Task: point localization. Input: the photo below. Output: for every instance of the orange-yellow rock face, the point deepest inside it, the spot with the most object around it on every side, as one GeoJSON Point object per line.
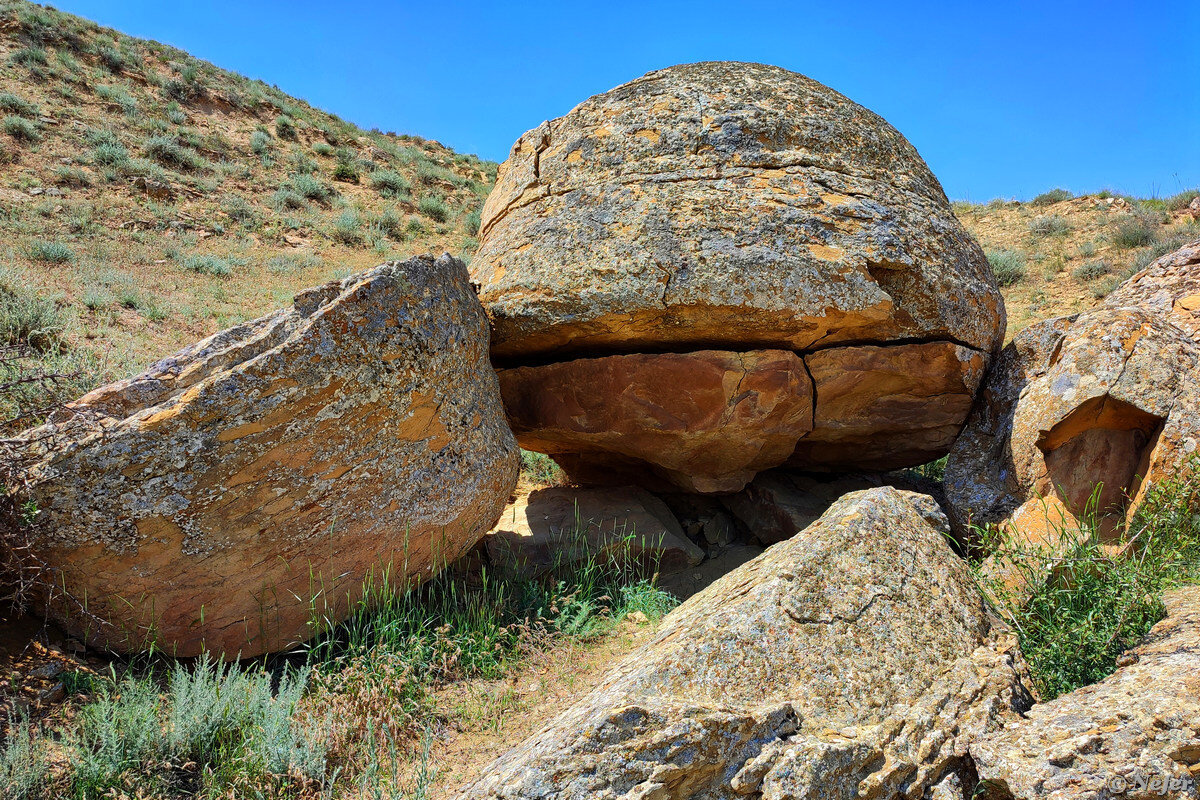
{"type": "Point", "coordinates": [250, 484]}
{"type": "Point", "coordinates": [736, 208]}
{"type": "Point", "coordinates": [707, 420]}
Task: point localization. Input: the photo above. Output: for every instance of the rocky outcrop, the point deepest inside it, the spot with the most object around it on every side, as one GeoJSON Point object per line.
{"type": "Point", "coordinates": [855, 659]}
{"type": "Point", "coordinates": [249, 484]}
{"type": "Point", "coordinates": [712, 212]}
{"type": "Point", "coordinates": [1135, 735]}
{"type": "Point", "coordinates": [549, 528]}
{"type": "Point", "coordinates": [1107, 400]}
{"type": "Point", "coordinates": [1169, 287]}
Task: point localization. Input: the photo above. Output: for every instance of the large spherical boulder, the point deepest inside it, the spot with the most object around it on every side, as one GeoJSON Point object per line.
{"type": "Point", "coordinates": [737, 208]}
{"type": "Point", "coordinates": [244, 489]}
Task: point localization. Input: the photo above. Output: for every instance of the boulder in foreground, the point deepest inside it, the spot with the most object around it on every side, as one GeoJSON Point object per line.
{"type": "Point", "coordinates": [251, 483]}
{"type": "Point", "coordinates": [856, 659]}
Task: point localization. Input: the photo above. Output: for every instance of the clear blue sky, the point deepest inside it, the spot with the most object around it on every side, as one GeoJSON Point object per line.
{"type": "Point", "coordinates": [1002, 99]}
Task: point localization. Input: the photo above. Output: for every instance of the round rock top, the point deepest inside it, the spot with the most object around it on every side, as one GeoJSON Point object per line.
{"type": "Point", "coordinates": [724, 205]}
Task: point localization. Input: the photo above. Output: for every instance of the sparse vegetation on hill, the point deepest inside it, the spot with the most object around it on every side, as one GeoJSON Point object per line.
{"type": "Point", "coordinates": [150, 199]}
{"type": "Point", "coordinates": [1059, 254]}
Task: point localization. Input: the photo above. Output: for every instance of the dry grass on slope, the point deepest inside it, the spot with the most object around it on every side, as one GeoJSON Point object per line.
{"type": "Point", "coordinates": [1060, 254]}
{"type": "Point", "coordinates": [148, 199]}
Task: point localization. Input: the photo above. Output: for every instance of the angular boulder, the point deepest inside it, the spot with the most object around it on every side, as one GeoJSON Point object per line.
{"type": "Point", "coordinates": [856, 659]}
{"type": "Point", "coordinates": [1135, 734]}
{"type": "Point", "coordinates": [720, 208]}
{"type": "Point", "coordinates": [1079, 416]}
{"type": "Point", "coordinates": [250, 484]}
{"type": "Point", "coordinates": [548, 528]}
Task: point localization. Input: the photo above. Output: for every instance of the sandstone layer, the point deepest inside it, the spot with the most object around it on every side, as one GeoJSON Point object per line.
{"type": "Point", "coordinates": [738, 209]}
{"type": "Point", "coordinates": [249, 485]}
{"type": "Point", "coordinates": [856, 659]}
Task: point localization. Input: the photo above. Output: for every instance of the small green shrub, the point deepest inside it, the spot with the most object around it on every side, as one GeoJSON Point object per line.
{"type": "Point", "coordinates": [29, 57]}
{"type": "Point", "coordinates": [345, 172]}
{"type": "Point", "coordinates": [347, 227]}
{"type": "Point", "coordinates": [16, 105]}
{"type": "Point", "coordinates": [239, 209]}
{"type": "Point", "coordinates": [208, 265]}
{"type": "Point", "coordinates": [389, 223]}
{"type": "Point", "coordinates": [50, 252]}
{"type": "Point", "coordinates": [471, 222]}
{"type": "Point", "coordinates": [434, 208]}
{"type": "Point", "coordinates": [1086, 608]}
{"type": "Point", "coordinates": [540, 469]}
{"type": "Point", "coordinates": [177, 116]}
{"type": "Point", "coordinates": [287, 199]}
{"type": "Point", "coordinates": [1053, 225]}
{"type": "Point", "coordinates": [1091, 271]}
{"type": "Point", "coordinates": [285, 127]}
{"type": "Point", "coordinates": [390, 184]}
{"type": "Point", "coordinates": [302, 164]}
{"type": "Point", "coordinates": [27, 318]}
{"type": "Point", "coordinates": [71, 176]}
{"type": "Point", "coordinates": [282, 265]}
{"type": "Point", "coordinates": [21, 129]}
{"type": "Point", "coordinates": [311, 188]}
{"type": "Point", "coordinates": [1051, 197]}
{"type": "Point", "coordinates": [260, 142]}
{"type": "Point", "coordinates": [118, 96]}
{"type": "Point", "coordinates": [112, 59]}
{"type": "Point", "coordinates": [1101, 289]}
{"type": "Point", "coordinates": [1007, 265]}
{"type": "Point", "coordinates": [323, 149]}
{"type": "Point", "coordinates": [1133, 231]}
{"type": "Point", "coordinates": [166, 150]}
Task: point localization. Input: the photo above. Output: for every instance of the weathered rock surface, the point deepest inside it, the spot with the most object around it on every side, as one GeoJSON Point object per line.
{"type": "Point", "coordinates": [1169, 287]}
{"type": "Point", "coordinates": [548, 528]}
{"type": "Point", "coordinates": [1111, 739]}
{"type": "Point", "coordinates": [707, 420]}
{"type": "Point", "coordinates": [721, 208]}
{"type": "Point", "coordinates": [855, 659]}
{"type": "Point", "coordinates": [1110, 397]}
{"type": "Point", "coordinates": [725, 203]}
{"type": "Point", "coordinates": [204, 503]}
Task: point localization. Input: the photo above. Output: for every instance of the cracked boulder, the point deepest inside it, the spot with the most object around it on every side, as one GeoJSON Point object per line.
{"type": "Point", "coordinates": [730, 208]}
{"type": "Point", "coordinates": [856, 659]}
{"type": "Point", "coordinates": [1078, 418]}
{"type": "Point", "coordinates": [1135, 734]}
{"type": "Point", "coordinates": [246, 487]}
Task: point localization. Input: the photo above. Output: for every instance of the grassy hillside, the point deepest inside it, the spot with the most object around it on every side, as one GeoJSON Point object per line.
{"type": "Point", "coordinates": [148, 199]}
{"type": "Point", "coordinates": [1060, 254]}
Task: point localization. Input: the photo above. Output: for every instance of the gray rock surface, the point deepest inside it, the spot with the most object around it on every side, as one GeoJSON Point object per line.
{"type": "Point", "coordinates": [856, 659]}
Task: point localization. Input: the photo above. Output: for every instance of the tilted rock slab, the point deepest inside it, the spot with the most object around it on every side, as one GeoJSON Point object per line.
{"type": "Point", "coordinates": [248, 485]}
{"type": "Point", "coordinates": [1109, 397]}
{"type": "Point", "coordinates": [856, 659]}
{"type": "Point", "coordinates": [740, 208]}
{"type": "Point", "coordinates": [1134, 735]}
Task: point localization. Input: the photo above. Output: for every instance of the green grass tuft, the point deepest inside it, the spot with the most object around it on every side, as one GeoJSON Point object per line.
{"type": "Point", "coordinates": [1087, 608]}
{"type": "Point", "coordinates": [1007, 265]}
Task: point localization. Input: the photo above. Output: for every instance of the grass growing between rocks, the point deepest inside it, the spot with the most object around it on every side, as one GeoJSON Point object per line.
{"type": "Point", "coordinates": [352, 714]}
{"type": "Point", "coordinates": [1085, 604]}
